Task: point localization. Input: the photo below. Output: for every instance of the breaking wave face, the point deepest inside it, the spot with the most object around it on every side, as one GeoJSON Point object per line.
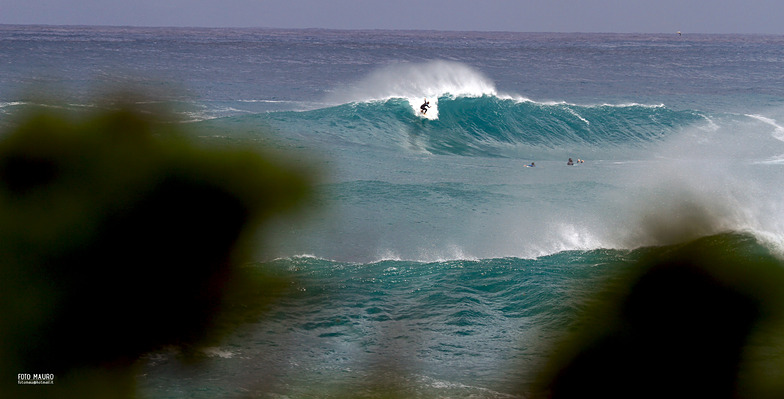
{"type": "Point", "coordinates": [489, 125]}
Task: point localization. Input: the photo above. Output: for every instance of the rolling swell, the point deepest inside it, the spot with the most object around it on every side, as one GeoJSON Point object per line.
{"type": "Point", "coordinates": [500, 319]}
{"type": "Point", "coordinates": [489, 125]}
{"type": "Point", "coordinates": [467, 315]}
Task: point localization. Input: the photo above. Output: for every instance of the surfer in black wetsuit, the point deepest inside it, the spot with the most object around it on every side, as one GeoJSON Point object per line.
{"type": "Point", "coordinates": [424, 107]}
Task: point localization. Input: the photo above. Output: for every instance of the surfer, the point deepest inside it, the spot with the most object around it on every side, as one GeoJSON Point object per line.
{"type": "Point", "coordinates": [532, 165]}
{"type": "Point", "coordinates": [570, 162]}
{"type": "Point", "coordinates": [424, 107]}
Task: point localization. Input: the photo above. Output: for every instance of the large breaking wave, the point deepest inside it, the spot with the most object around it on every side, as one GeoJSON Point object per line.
{"type": "Point", "coordinates": [470, 116]}
{"type": "Point", "coordinates": [489, 125]}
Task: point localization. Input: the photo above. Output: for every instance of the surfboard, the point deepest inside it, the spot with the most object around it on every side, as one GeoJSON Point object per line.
{"type": "Point", "coordinates": [431, 112]}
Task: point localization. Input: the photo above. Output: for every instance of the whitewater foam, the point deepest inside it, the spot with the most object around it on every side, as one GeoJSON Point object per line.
{"type": "Point", "coordinates": [11, 104]}
{"type": "Point", "coordinates": [214, 351]}
{"type": "Point", "coordinates": [415, 82]}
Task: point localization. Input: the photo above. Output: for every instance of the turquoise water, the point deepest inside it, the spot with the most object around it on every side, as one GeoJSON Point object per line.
{"type": "Point", "coordinates": [433, 262]}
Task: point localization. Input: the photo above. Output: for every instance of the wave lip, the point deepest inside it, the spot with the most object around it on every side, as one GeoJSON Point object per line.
{"type": "Point", "coordinates": [416, 82]}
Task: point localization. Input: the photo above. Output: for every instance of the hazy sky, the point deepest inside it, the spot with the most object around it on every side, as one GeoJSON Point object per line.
{"type": "Point", "coordinates": [650, 16]}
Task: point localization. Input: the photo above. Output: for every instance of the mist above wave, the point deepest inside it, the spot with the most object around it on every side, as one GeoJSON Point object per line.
{"type": "Point", "coordinates": [415, 81]}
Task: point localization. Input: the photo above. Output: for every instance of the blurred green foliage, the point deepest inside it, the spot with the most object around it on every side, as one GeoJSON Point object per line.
{"type": "Point", "coordinates": [120, 234]}
{"type": "Point", "coordinates": [693, 320]}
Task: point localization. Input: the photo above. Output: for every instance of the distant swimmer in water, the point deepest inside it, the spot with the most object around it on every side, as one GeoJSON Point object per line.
{"type": "Point", "coordinates": [424, 107]}
{"type": "Point", "coordinates": [570, 162]}
{"type": "Point", "coordinates": [532, 165]}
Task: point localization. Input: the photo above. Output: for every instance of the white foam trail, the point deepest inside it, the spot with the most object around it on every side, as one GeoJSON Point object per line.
{"type": "Point", "coordinates": [778, 130]}
{"type": "Point", "coordinates": [268, 101]}
{"type": "Point", "coordinates": [778, 134]}
{"type": "Point", "coordinates": [629, 105]}
{"type": "Point", "coordinates": [573, 112]}
{"type": "Point", "coordinates": [778, 160]}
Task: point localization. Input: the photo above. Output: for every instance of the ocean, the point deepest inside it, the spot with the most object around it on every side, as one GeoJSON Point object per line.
{"type": "Point", "coordinates": [434, 262]}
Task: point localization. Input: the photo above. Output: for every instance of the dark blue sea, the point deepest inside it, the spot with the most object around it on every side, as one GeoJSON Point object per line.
{"type": "Point", "coordinates": [433, 259]}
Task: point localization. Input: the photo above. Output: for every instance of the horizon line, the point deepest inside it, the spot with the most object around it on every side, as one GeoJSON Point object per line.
{"type": "Point", "coordinates": [679, 32]}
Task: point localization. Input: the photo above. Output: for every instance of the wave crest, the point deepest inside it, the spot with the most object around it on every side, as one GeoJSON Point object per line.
{"type": "Point", "coordinates": [417, 81]}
